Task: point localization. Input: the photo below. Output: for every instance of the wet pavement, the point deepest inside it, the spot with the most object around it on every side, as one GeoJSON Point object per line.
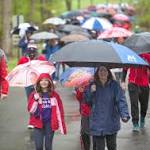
{"type": "Point", "coordinates": [14, 134]}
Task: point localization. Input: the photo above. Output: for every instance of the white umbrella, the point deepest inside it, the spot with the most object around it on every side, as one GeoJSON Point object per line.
{"type": "Point", "coordinates": [43, 36]}
{"type": "Point", "coordinates": [55, 21]}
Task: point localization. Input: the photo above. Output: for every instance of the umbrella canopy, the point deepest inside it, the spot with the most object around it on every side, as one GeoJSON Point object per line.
{"type": "Point", "coordinates": [115, 32]}
{"type": "Point", "coordinates": [24, 27]}
{"type": "Point", "coordinates": [26, 74]}
{"type": "Point", "coordinates": [54, 21]}
{"type": "Point", "coordinates": [97, 24]}
{"type": "Point", "coordinates": [70, 28]}
{"type": "Point", "coordinates": [76, 76]}
{"type": "Point", "coordinates": [139, 42]}
{"type": "Point", "coordinates": [74, 38]}
{"type": "Point", "coordinates": [71, 14]}
{"type": "Point", "coordinates": [94, 53]}
{"type": "Point", "coordinates": [121, 17]}
{"type": "Point", "coordinates": [43, 36]}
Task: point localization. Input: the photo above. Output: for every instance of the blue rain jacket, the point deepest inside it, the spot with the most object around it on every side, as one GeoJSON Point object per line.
{"type": "Point", "coordinates": [108, 106]}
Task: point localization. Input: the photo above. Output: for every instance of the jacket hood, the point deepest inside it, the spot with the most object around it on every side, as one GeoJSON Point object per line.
{"type": "Point", "coordinates": [44, 75]}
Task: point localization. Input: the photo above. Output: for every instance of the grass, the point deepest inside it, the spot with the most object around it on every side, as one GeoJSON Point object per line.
{"type": "Point", "coordinates": [12, 63]}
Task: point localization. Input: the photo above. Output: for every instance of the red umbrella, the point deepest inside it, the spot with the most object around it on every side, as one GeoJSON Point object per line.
{"type": "Point", "coordinates": [115, 32]}
{"type": "Point", "coordinates": [121, 17]}
{"type": "Point", "coordinates": [26, 74]}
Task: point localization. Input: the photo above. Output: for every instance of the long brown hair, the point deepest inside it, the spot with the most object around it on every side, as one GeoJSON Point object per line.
{"type": "Point", "coordinates": [96, 77]}
{"type": "Point", "coordinates": [50, 87]}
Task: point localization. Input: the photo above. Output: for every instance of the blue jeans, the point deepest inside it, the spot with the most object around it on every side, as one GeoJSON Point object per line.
{"type": "Point", "coordinates": [41, 134]}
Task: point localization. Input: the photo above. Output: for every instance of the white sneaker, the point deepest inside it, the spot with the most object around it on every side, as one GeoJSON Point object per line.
{"type": "Point", "coordinates": [30, 126]}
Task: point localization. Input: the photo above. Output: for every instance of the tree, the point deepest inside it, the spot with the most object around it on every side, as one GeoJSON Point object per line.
{"type": "Point", "coordinates": [79, 4]}
{"type": "Point", "coordinates": [6, 26]}
{"type": "Point", "coordinates": [143, 13]}
{"type": "Point", "coordinates": [68, 4]}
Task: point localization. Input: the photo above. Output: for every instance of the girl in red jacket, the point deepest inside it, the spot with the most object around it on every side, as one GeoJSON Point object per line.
{"type": "Point", "coordinates": [47, 112]}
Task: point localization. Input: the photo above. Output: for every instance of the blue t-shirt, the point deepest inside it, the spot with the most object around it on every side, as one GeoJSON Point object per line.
{"type": "Point", "coordinates": [46, 107]}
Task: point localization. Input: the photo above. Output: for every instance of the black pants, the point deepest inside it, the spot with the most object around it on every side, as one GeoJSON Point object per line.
{"type": "Point", "coordinates": [86, 141]}
{"type": "Point", "coordinates": [110, 141]}
{"type": "Point", "coordinates": [138, 94]}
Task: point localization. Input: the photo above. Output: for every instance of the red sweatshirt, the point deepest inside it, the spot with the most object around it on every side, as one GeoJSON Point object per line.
{"type": "Point", "coordinates": [140, 75]}
{"type": "Point", "coordinates": [3, 73]}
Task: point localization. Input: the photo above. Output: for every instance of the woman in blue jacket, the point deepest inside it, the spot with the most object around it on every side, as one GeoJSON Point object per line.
{"type": "Point", "coordinates": [108, 104]}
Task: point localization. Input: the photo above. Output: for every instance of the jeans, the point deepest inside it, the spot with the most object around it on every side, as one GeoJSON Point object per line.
{"type": "Point", "coordinates": [41, 134]}
{"type": "Point", "coordinates": [110, 140]}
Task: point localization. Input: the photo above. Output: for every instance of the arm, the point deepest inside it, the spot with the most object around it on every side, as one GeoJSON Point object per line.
{"type": "Point", "coordinates": [122, 103]}
{"type": "Point", "coordinates": [32, 103]}
{"type": "Point", "coordinates": [60, 105]}
{"type": "Point", "coordinates": [89, 93]}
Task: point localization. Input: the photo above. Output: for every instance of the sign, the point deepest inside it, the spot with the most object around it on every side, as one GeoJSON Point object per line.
{"type": "Point", "coordinates": [16, 20]}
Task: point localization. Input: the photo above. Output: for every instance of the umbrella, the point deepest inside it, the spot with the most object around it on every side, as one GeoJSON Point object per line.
{"type": "Point", "coordinates": [76, 76]}
{"type": "Point", "coordinates": [26, 74]}
{"type": "Point", "coordinates": [93, 53]}
{"type": "Point", "coordinates": [115, 32]}
{"type": "Point", "coordinates": [24, 27]}
{"type": "Point", "coordinates": [139, 42]}
{"type": "Point", "coordinates": [43, 36]}
{"type": "Point", "coordinates": [54, 21]}
{"type": "Point", "coordinates": [70, 28]}
{"type": "Point", "coordinates": [97, 24]}
{"type": "Point", "coordinates": [71, 14]}
{"type": "Point", "coordinates": [121, 17]}
{"type": "Point", "coordinates": [73, 38]}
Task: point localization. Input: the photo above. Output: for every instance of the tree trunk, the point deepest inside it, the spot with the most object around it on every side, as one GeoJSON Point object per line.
{"type": "Point", "coordinates": [6, 26]}
{"type": "Point", "coordinates": [68, 4]}
{"type": "Point", "coordinates": [42, 2]}
{"type": "Point", "coordinates": [32, 9]}
{"type": "Point", "coordinates": [79, 4]}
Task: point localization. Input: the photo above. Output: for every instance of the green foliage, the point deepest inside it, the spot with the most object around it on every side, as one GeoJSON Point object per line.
{"type": "Point", "coordinates": [143, 13]}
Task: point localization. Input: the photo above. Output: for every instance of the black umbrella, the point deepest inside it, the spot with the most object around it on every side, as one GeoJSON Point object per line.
{"type": "Point", "coordinates": [139, 42]}
{"type": "Point", "coordinates": [70, 28]}
{"type": "Point", "coordinates": [93, 53]}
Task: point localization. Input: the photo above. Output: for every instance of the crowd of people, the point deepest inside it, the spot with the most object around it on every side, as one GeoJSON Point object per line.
{"type": "Point", "coordinates": [102, 101]}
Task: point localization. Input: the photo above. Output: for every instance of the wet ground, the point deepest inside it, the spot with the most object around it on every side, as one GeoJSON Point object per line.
{"type": "Point", "coordinates": [14, 134]}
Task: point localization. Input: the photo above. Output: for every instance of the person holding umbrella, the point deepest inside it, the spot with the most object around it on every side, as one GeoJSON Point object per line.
{"type": "Point", "coordinates": [138, 87]}
{"type": "Point", "coordinates": [31, 54]}
{"type": "Point", "coordinates": [108, 105]}
{"type": "Point", "coordinates": [52, 45]}
{"type": "Point", "coordinates": [3, 73]}
{"type": "Point", "coordinates": [24, 41]}
{"type": "Point", "coordinates": [85, 112]}
{"type": "Point", "coordinates": [46, 108]}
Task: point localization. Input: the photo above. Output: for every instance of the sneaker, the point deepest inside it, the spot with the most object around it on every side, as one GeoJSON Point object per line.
{"type": "Point", "coordinates": [142, 122]}
{"type": "Point", "coordinates": [136, 128]}
{"type": "Point", "coordinates": [30, 126]}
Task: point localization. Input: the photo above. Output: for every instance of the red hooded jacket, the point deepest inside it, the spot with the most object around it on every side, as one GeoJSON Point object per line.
{"type": "Point", "coordinates": [3, 73]}
{"type": "Point", "coordinates": [57, 111]}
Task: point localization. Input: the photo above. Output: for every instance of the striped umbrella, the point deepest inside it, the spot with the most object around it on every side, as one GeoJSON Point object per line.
{"type": "Point", "coordinates": [97, 24]}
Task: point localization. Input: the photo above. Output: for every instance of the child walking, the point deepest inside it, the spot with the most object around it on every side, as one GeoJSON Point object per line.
{"type": "Point", "coordinates": [47, 111]}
